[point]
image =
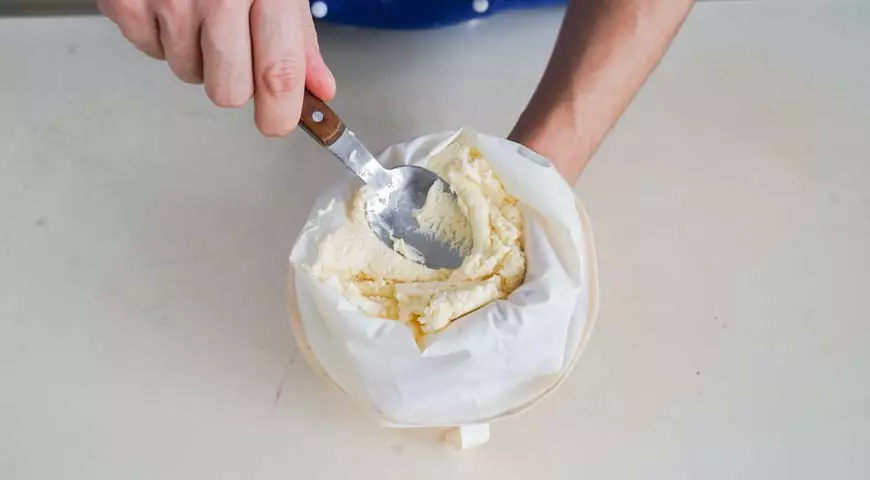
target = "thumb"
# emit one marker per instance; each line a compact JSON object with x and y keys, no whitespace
{"x":318,"y":77}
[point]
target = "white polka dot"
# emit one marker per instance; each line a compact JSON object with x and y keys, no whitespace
{"x":480,"y":6}
{"x":319,"y":9}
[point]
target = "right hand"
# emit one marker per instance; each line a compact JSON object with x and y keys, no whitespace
{"x":210,"y":41}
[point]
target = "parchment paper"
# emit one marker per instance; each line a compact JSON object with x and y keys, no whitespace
{"x":486,"y":362}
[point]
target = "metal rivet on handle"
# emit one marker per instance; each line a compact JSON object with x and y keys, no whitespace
{"x":317,"y":116}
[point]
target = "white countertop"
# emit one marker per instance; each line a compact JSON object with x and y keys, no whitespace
{"x":144,"y":235}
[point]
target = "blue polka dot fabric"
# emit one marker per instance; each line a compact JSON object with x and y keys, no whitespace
{"x":415,"y":14}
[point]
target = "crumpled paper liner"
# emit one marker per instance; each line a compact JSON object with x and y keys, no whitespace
{"x":496,"y":361}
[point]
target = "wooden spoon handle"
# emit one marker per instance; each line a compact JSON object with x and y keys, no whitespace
{"x":320,"y":121}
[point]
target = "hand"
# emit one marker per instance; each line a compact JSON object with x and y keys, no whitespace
{"x":549,"y":128}
{"x":210,"y":41}
{"x":604,"y":53}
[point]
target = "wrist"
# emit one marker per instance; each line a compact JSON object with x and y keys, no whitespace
{"x":553,"y":133}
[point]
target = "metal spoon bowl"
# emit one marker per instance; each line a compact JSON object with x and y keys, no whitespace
{"x":390,"y":215}
{"x":395,"y":192}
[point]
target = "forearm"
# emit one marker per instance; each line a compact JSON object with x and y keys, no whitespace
{"x":604,"y":53}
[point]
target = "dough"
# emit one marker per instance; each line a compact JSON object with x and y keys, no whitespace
{"x":382,"y":283}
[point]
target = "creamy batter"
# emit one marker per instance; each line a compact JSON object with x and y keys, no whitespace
{"x":443,"y":219}
{"x":383,"y":283}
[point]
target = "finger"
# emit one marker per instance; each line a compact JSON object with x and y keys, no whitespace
{"x":226,"y":55}
{"x":136,"y":23}
{"x":279,"y":65}
{"x":179,"y":34}
{"x":318,"y":77}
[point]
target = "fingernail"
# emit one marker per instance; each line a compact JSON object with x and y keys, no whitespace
{"x":331,"y":78}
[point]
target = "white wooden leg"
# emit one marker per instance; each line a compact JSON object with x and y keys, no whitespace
{"x":468,"y":436}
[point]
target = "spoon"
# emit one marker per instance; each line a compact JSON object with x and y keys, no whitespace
{"x":396,"y":192}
